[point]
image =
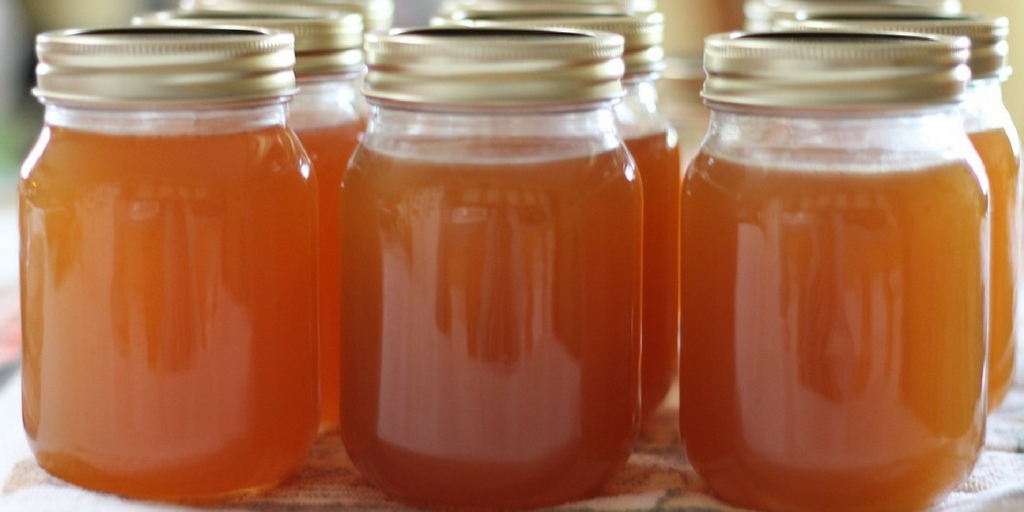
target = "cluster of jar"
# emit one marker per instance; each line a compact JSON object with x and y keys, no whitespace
{"x":479,"y":277}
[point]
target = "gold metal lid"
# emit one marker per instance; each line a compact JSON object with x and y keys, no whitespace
{"x":834,"y":70}
{"x":326,"y":42}
{"x":377,"y":14}
{"x":164,"y":66}
{"x":988,"y":35}
{"x":643,"y":33}
{"x":766,"y":14}
{"x":461,"y":66}
{"x":562,"y":7}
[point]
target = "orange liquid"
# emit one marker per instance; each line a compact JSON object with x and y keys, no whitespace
{"x":168,"y":300}
{"x":657,"y":161}
{"x":330,"y":149}
{"x":834,"y":334}
{"x":491,"y":316}
{"x":1003,"y":169}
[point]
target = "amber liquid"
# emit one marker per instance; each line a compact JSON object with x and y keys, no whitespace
{"x":657,"y":161}
{"x":834,"y":334}
{"x":1003,"y":169}
{"x":491,"y":327}
{"x":168,"y":303}
{"x":330,"y":150}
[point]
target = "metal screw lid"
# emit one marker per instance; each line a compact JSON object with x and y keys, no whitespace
{"x":643,"y":33}
{"x":766,"y":14}
{"x":377,"y":14}
{"x":834,"y":70}
{"x":461,"y":66}
{"x":167,"y":66}
{"x":989,"y":47}
{"x":326,"y":42}
{"x":553,"y":6}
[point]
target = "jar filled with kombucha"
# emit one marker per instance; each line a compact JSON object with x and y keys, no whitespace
{"x":834,"y":274}
{"x":995,"y":138}
{"x":328,"y":65}
{"x":654,"y":144}
{"x":491,"y":232}
{"x":168,"y":237}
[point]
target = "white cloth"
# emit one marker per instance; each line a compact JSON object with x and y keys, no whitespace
{"x":657,"y":477}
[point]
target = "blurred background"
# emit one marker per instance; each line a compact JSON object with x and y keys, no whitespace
{"x":688,"y":21}
{"x":20,"y":20}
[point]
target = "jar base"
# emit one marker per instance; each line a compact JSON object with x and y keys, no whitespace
{"x":445,"y":484}
{"x":75,"y":472}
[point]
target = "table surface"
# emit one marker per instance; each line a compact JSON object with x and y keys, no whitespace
{"x":657,"y":476}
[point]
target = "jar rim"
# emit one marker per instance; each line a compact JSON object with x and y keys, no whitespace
{"x":988,"y":36}
{"x":834,"y":69}
{"x":164,"y":66}
{"x":326,"y":41}
{"x":498,"y":67}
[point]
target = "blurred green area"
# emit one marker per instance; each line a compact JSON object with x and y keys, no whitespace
{"x":19,"y":127}
{"x":18,"y":130}
{"x":20,"y":114}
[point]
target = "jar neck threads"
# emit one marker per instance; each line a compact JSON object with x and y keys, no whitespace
{"x":324,"y":102}
{"x":479,"y":134}
{"x":983,"y":108}
{"x":193,"y":121}
{"x":865,"y":142}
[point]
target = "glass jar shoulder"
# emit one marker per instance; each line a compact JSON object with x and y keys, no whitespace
{"x":819,"y":145}
{"x":999,"y":150}
{"x":490,"y":170}
{"x":326,"y":104}
{"x":983,"y":111}
{"x":954,"y":185}
{"x":637,"y":116}
{"x":491,"y":141}
{"x":70,"y":155}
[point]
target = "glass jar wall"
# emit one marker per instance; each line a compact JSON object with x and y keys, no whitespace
{"x":654,"y":145}
{"x":995,"y":138}
{"x":168,"y":265}
{"x":491,"y":279}
{"x":328,"y":68}
{"x":834,"y":274}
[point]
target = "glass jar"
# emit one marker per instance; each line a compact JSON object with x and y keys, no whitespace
{"x":324,"y":117}
{"x":328,"y":65}
{"x":834,"y":274}
{"x":995,"y":138}
{"x":491,"y":281}
{"x":654,"y":144}
{"x":168,"y":227}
